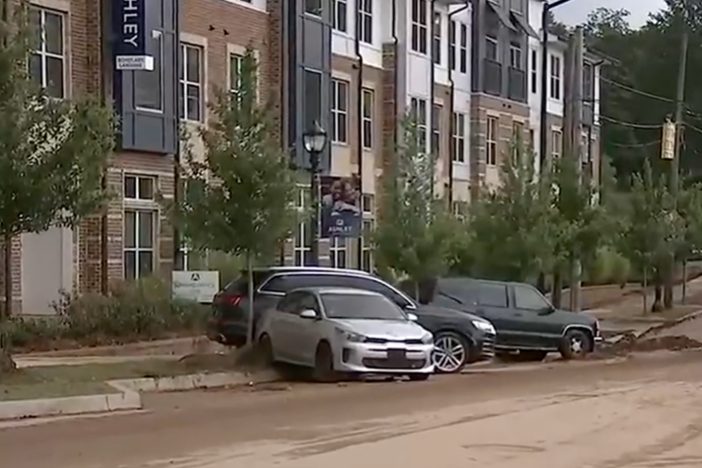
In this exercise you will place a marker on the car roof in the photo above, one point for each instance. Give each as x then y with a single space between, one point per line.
468 279
337 290
308 269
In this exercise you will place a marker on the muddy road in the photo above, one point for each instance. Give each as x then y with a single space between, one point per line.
641 412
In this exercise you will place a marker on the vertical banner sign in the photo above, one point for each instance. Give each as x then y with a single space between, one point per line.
341 210
131 36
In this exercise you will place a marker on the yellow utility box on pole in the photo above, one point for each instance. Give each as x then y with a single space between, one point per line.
668 141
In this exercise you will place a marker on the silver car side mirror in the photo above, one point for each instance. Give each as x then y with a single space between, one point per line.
308 314
412 317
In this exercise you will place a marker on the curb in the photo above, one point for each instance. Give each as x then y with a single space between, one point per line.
128 396
669 324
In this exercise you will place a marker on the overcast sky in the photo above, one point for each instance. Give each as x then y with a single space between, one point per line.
576 11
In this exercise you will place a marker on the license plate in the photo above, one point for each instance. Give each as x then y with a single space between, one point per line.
397 355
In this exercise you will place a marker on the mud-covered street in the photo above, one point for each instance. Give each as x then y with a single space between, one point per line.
639 412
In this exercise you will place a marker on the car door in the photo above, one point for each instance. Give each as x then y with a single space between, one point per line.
281 326
308 331
492 303
532 318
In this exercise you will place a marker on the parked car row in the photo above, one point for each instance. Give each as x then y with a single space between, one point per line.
339 321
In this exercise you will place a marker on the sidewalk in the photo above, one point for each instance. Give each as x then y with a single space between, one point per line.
45 361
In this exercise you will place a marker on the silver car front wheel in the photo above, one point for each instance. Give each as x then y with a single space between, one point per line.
450 353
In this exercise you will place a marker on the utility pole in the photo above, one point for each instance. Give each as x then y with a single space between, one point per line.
577 129
675 163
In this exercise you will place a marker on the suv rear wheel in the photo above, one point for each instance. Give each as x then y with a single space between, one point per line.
576 344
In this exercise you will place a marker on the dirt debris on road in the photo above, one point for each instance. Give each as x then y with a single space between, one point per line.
597 414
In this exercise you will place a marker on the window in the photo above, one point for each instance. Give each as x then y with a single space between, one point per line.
526 297
139 188
463 53
367 246
588 84
139 240
491 48
515 56
337 252
339 12
367 203
556 144
555 80
312 106
47 63
435 129
148 85
491 140
191 82
234 71
452 45
518 132
419 114
516 5
302 242
534 73
419 26
367 119
532 139
339 111
436 42
458 147
492 295
313 7
365 21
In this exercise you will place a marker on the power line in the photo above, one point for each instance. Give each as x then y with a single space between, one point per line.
629 124
636 145
634 90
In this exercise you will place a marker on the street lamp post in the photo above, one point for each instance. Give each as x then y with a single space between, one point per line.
314 141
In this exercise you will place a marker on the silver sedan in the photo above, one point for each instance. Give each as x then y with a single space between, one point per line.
339 331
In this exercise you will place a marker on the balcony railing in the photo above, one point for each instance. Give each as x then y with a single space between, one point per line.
517 84
492 77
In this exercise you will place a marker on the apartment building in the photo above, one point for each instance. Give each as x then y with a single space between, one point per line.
555 67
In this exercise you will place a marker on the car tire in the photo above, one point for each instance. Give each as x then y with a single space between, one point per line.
576 344
419 377
451 354
265 348
324 364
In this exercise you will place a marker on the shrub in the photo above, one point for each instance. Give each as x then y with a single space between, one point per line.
608 267
140 310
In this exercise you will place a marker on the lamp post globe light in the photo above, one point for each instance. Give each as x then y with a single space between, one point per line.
315 140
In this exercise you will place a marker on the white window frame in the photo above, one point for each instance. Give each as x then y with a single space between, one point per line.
458 139
234 65
419 110
516 57
337 25
436 38
419 40
555 77
365 11
463 48
338 248
556 144
185 83
138 197
137 249
453 44
534 73
491 139
496 42
300 246
316 14
340 111
44 55
367 129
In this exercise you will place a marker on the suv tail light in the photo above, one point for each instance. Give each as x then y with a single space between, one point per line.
233 300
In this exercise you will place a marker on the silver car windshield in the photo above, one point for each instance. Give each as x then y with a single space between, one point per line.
361 306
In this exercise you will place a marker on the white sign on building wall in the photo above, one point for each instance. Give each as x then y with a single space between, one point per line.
200 286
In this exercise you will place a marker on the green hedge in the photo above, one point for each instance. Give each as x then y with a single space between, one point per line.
142 310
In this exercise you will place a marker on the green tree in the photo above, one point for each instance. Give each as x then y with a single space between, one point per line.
582 223
415 231
689 208
239 198
53 153
653 228
512 229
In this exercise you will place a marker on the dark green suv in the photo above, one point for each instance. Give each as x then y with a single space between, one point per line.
525 320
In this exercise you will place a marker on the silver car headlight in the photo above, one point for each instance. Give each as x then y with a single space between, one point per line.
484 326
428 339
353 337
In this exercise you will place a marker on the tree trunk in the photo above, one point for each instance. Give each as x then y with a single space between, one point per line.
684 281
658 295
669 282
645 291
250 328
8 275
541 283
557 288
